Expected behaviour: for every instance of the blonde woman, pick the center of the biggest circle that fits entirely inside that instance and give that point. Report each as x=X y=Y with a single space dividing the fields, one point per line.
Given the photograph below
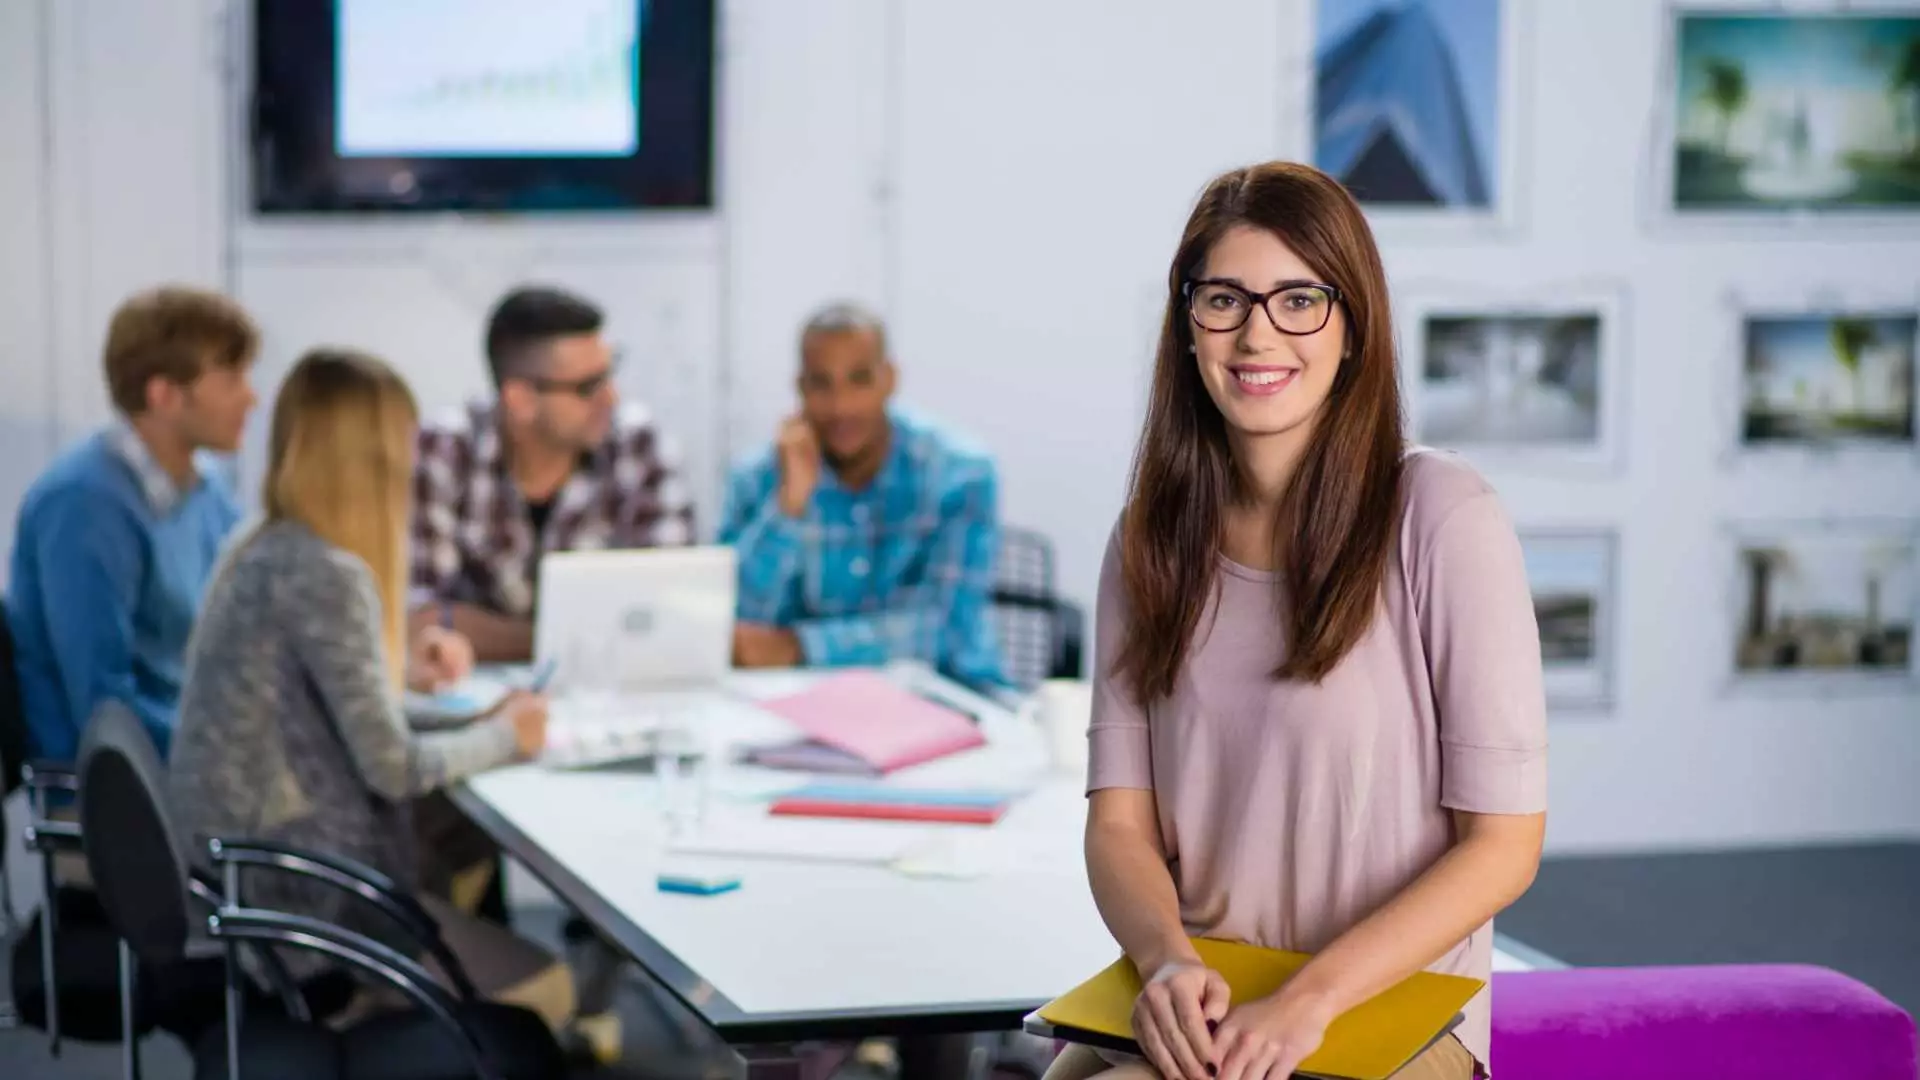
x=290 y=721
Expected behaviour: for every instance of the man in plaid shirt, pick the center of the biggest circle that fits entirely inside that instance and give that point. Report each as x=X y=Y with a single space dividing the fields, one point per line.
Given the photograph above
x=554 y=463
x=864 y=534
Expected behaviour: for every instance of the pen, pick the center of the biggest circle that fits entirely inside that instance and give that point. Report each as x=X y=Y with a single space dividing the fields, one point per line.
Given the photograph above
x=542 y=675
x=946 y=701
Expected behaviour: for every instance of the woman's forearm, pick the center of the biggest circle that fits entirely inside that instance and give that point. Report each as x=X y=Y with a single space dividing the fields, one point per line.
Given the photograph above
x=496 y=638
x=1134 y=892
x=1477 y=878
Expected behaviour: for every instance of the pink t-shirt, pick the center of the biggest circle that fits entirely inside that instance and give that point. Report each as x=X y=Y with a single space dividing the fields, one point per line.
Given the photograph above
x=1292 y=811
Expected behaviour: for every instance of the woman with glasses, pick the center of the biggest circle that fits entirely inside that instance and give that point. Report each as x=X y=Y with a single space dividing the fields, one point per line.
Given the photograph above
x=1319 y=721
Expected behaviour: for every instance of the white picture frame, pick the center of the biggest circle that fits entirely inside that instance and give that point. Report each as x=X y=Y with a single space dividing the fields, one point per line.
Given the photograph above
x=1660 y=210
x=1591 y=445
x=1790 y=622
x=1504 y=217
x=1755 y=424
x=1573 y=573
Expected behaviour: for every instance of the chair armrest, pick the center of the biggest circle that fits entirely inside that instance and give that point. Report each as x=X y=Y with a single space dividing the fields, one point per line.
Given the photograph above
x=45 y=836
x=1070 y=629
x=1008 y=596
x=357 y=879
x=46 y=774
x=297 y=931
x=202 y=886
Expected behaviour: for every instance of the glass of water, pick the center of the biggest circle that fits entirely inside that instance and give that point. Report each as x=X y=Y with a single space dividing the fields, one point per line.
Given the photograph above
x=680 y=764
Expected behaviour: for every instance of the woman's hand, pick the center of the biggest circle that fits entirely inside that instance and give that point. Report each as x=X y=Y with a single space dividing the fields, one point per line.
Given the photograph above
x=1268 y=1038
x=1174 y=1017
x=528 y=714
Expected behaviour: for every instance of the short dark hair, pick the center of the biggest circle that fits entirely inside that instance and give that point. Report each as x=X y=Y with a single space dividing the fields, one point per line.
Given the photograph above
x=177 y=333
x=531 y=316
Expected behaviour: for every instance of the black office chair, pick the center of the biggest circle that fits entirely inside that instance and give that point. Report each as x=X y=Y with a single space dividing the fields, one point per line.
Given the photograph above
x=141 y=871
x=1040 y=632
x=13 y=755
x=67 y=944
x=80 y=963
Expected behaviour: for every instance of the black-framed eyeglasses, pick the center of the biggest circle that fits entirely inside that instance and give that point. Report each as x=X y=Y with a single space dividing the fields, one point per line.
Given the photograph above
x=1296 y=307
x=584 y=387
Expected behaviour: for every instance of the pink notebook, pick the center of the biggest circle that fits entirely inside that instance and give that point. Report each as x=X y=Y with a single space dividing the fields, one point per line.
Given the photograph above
x=877 y=720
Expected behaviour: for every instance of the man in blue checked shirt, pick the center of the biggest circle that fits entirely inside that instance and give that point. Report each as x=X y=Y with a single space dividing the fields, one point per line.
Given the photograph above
x=864 y=533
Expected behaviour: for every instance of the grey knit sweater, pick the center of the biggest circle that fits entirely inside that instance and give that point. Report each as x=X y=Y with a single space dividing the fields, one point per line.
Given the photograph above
x=290 y=729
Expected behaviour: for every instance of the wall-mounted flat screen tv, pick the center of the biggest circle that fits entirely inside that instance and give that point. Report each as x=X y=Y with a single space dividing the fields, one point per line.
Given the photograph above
x=366 y=106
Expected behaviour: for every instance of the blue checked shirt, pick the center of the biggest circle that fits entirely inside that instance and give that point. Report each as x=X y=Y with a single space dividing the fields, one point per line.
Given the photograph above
x=901 y=570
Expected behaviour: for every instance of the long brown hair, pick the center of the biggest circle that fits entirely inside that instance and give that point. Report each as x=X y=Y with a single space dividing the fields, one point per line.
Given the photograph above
x=1334 y=525
x=340 y=462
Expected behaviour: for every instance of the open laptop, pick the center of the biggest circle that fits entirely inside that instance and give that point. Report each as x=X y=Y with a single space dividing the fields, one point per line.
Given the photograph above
x=638 y=619
x=642 y=643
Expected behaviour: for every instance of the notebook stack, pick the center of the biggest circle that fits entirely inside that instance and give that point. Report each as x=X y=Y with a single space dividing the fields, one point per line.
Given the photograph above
x=864 y=724
x=877 y=803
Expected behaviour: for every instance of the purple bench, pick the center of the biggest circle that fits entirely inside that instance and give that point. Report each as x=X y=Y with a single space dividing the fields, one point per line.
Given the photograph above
x=1724 y=1022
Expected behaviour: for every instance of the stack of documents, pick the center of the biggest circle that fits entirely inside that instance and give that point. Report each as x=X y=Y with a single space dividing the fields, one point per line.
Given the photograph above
x=865 y=723
x=585 y=730
x=876 y=802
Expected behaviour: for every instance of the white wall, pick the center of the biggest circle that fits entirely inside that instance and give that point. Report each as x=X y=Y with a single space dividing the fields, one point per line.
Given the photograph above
x=110 y=180
x=939 y=160
x=27 y=426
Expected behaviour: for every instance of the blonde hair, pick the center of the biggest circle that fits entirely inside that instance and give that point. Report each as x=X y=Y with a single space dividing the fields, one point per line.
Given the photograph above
x=340 y=462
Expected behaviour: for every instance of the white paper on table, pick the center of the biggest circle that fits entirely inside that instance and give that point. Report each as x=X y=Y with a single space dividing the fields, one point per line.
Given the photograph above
x=955 y=855
x=801 y=840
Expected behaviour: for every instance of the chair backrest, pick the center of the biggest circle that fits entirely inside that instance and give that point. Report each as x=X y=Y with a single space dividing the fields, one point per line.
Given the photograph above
x=1022 y=613
x=1025 y=564
x=138 y=864
x=13 y=712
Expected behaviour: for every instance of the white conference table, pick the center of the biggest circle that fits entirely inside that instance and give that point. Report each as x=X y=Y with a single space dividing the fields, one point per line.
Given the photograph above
x=985 y=925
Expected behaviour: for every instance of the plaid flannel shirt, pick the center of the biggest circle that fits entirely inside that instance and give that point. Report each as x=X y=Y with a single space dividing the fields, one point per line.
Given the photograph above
x=900 y=570
x=473 y=538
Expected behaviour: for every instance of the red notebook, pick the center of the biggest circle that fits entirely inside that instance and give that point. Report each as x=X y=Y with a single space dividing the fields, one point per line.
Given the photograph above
x=795 y=806
x=877 y=720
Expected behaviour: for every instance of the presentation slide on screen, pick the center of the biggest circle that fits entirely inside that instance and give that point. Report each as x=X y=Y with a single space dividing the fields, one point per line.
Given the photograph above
x=487 y=78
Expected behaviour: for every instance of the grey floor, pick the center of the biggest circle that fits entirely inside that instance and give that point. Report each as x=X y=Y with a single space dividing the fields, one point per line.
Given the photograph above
x=1852 y=908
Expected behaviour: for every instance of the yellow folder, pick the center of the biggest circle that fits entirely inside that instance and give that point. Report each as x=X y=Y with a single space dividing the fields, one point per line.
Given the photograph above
x=1371 y=1041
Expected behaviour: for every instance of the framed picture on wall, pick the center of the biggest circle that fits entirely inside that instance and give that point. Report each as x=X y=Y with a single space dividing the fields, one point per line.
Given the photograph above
x=1572 y=574
x=1526 y=382
x=1768 y=111
x=1831 y=382
x=1825 y=605
x=1415 y=106
x=1827 y=378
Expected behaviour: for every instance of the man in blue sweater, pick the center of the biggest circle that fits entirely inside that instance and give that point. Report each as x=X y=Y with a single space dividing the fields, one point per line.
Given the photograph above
x=116 y=541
